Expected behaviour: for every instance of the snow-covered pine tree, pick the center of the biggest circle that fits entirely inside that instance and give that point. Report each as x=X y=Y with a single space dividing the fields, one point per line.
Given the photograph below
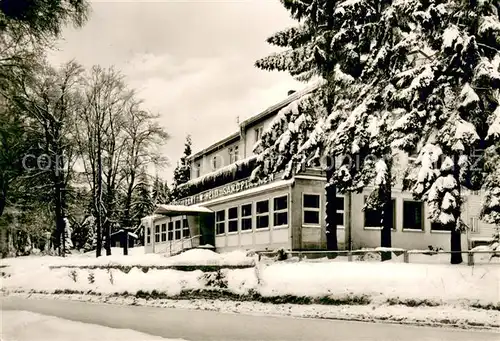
x=160 y=192
x=447 y=103
x=355 y=47
x=68 y=243
x=491 y=206
x=182 y=173
x=89 y=225
x=142 y=201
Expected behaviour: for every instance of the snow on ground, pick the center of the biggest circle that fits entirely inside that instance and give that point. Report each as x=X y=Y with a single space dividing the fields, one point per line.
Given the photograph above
x=28 y=326
x=136 y=257
x=437 y=282
x=440 y=283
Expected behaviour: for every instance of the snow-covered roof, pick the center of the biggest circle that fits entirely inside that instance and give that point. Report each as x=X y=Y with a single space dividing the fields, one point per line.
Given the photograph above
x=226 y=170
x=257 y=117
x=176 y=210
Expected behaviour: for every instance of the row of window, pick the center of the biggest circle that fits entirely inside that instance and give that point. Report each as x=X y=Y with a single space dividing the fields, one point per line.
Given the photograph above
x=241 y=218
x=413 y=214
x=413 y=217
x=175 y=230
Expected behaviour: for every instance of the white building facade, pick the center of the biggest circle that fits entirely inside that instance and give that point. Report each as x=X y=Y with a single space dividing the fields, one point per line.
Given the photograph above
x=290 y=214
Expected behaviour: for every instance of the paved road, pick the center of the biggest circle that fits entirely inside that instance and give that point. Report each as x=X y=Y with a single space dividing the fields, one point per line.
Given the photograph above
x=206 y=325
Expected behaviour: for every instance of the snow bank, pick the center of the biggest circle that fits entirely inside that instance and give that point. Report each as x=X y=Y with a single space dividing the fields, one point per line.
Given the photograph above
x=439 y=283
x=135 y=258
x=28 y=326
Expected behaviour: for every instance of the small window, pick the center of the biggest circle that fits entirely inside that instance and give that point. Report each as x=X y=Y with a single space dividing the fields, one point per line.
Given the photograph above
x=280 y=211
x=185 y=228
x=232 y=223
x=340 y=211
x=177 y=230
x=157 y=233
x=262 y=208
x=215 y=164
x=311 y=209
x=474 y=225
x=373 y=219
x=258 y=133
x=170 y=235
x=148 y=235
x=163 y=232
x=197 y=169
x=220 y=222
x=233 y=154
x=413 y=215
x=246 y=217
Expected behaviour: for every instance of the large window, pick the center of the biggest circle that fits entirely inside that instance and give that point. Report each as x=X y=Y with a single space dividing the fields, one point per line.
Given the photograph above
x=157 y=233
x=311 y=209
x=280 y=211
x=220 y=222
x=185 y=228
x=232 y=219
x=171 y=231
x=373 y=218
x=413 y=212
x=148 y=235
x=163 y=232
x=178 y=229
x=262 y=208
x=246 y=217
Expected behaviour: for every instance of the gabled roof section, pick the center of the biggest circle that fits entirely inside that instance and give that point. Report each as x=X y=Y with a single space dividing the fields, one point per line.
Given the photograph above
x=260 y=116
x=227 y=140
x=273 y=109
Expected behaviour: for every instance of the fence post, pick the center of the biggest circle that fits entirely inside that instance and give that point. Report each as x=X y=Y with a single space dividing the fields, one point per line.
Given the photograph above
x=349 y=256
x=406 y=256
x=470 y=258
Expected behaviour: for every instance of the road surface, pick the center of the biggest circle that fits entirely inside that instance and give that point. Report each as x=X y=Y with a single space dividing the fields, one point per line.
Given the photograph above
x=207 y=325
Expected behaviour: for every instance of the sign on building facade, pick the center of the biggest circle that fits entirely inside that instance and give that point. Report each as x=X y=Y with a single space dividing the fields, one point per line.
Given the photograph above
x=228 y=189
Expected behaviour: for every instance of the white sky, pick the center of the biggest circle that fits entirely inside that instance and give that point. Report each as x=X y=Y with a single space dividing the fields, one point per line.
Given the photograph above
x=192 y=61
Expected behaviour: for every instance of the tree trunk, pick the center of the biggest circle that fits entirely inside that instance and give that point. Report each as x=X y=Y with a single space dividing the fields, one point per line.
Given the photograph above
x=128 y=202
x=456 y=246
x=385 y=234
x=98 y=199
x=455 y=238
x=107 y=241
x=348 y=221
x=331 y=210
x=3 y=198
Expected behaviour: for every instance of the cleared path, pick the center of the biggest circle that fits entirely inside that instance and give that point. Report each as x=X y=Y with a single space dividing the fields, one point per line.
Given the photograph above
x=207 y=325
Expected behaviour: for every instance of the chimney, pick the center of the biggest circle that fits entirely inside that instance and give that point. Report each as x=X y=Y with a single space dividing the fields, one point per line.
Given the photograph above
x=291 y=92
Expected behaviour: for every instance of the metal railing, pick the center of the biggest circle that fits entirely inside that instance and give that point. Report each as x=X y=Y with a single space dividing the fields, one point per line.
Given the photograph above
x=185 y=244
x=350 y=256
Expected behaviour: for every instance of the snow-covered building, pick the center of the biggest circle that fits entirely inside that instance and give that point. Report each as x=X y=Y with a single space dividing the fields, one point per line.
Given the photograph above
x=222 y=207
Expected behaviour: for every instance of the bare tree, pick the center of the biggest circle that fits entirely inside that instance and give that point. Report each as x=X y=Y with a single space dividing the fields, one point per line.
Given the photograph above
x=102 y=144
x=49 y=100
x=143 y=137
